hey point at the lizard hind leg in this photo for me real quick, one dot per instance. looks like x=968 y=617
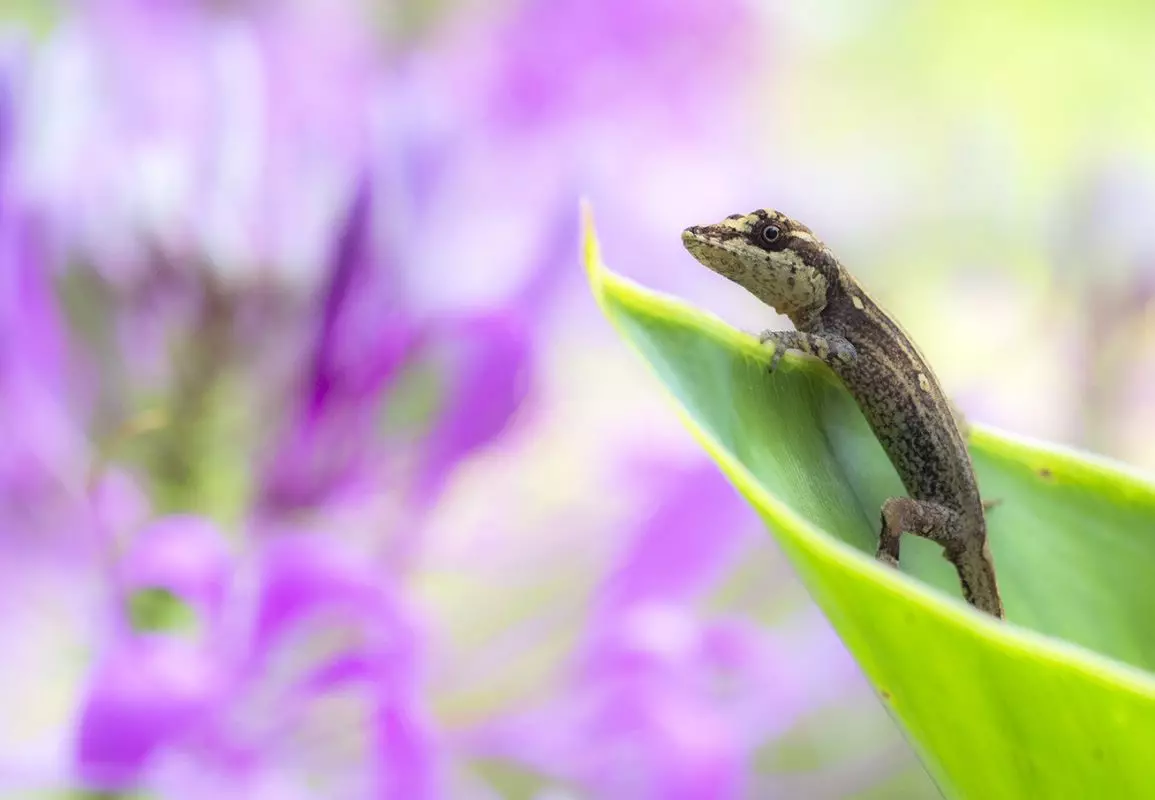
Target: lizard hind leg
x=906 y=515
x=970 y=557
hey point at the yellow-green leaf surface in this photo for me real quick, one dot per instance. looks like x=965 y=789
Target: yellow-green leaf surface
x=1058 y=701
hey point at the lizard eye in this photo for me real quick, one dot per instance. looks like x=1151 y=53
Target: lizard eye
x=771 y=234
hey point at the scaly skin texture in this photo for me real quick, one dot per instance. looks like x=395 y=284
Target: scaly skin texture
x=783 y=264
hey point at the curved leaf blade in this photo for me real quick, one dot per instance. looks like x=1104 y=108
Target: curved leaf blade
x=1042 y=706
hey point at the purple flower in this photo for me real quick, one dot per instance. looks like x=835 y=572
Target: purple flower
x=45 y=449
x=203 y=133
x=294 y=626
x=43 y=404
x=660 y=701
x=33 y=357
x=364 y=337
x=367 y=335
x=358 y=251
x=564 y=61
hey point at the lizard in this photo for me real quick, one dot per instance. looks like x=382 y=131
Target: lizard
x=783 y=264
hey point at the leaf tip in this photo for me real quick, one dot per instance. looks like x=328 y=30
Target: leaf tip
x=591 y=251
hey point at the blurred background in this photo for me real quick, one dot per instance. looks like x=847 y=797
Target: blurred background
x=321 y=474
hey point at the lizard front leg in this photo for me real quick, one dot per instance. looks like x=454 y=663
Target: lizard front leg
x=969 y=554
x=827 y=346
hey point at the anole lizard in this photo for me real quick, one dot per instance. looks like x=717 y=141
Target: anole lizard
x=785 y=266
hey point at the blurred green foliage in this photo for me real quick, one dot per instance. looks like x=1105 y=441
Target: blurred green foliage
x=159 y=610
x=36 y=16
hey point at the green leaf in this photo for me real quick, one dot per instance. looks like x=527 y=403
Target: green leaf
x=1055 y=702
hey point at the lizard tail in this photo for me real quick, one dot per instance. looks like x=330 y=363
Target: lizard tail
x=977 y=576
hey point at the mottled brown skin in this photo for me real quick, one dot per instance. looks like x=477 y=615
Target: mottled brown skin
x=783 y=264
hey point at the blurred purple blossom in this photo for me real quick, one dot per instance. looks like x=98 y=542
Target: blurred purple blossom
x=32 y=370
x=363 y=339
x=291 y=626
x=203 y=132
x=32 y=354
x=43 y=463
x=661 y=702
x=366 y=337
x=557 y=62
x=267 y=208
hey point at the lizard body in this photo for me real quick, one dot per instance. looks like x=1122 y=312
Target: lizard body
x=782 y=263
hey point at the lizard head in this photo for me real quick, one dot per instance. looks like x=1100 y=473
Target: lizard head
x=776 y=259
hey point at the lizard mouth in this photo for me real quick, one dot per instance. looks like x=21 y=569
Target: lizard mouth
x=709 y=246
x=693 y=236
x=698 y=238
